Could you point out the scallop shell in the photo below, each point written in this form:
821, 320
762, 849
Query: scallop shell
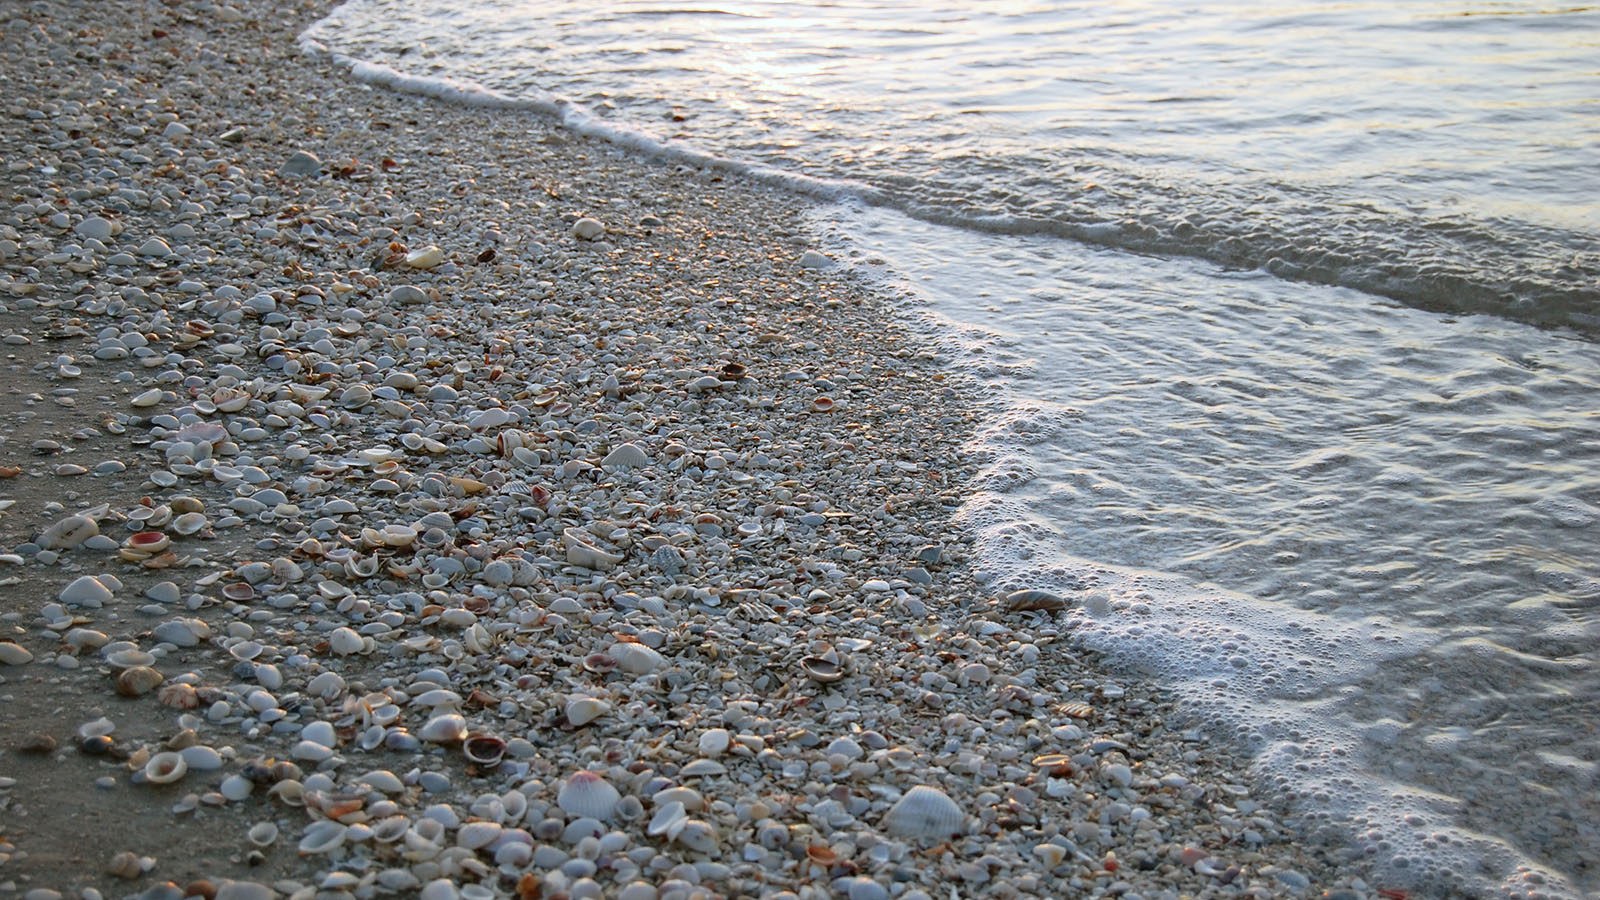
925, 812
165, 768
588, 795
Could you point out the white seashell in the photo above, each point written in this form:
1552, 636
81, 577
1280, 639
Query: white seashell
698, 835
588, 229
383, 780
345, 641
322, 836
626, 456
165, 768
68, 533
449, 728
236, 787
925, 812
588, 795
189, 523
262, 834
322, 732
477, 835
636, 659
327, 685
583, 710
87, 591
425, 258
689, 797
703, 767
668, 821
714, 742
390, 829
439, 889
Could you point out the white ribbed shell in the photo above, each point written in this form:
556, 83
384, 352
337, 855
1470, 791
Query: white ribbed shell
925, 812
588, 795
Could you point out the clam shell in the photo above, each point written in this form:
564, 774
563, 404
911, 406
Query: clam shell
588, 795
138, 681
583, 710
925, 812
68, 533
448, 728
148, 541
262, 834
668, 821
189, 523
698, 835
821, 669
165, 768
322, 836
483, 749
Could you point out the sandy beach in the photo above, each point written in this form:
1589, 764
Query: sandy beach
411, 500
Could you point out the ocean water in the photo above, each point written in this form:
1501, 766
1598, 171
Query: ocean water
1284, 316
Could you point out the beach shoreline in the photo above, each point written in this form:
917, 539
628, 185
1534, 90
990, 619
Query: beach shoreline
326, 318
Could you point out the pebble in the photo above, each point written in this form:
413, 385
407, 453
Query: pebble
300, 163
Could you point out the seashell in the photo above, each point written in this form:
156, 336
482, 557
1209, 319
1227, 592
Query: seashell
689, 797
322, 836
289, 792
635, 659
583, 710
344, 641
823, 404
734, 371
588, 795
448, 728
68, 533
583, 550
151, 542
425, 258
88, 591
124, 865
129, 657
390, 829
236, 787
239, 591
138, 681
698, 835
262, 834
703, 767
925, 812
668, 821
363, 566
1076, 710
477, 835
189, 523
626, 456
165, 768
178, 695
599, 663
483, 749
714, 741
821, 669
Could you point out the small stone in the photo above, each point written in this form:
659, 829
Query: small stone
407, 295
95, 228
155, 247
345, 641
300, 162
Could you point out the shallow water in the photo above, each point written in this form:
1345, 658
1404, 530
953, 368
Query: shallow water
1356, 535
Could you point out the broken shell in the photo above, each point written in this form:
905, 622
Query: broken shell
483, 749
178, 696
165, 768
925, 812
588, 795
583, 550
138, 681
262, 834
821, 669
668, 821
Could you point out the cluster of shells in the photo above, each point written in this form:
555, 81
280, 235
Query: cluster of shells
489, 551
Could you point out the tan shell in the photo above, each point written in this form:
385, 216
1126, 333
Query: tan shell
138, 681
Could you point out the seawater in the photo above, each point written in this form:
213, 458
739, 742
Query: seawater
1284, 317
